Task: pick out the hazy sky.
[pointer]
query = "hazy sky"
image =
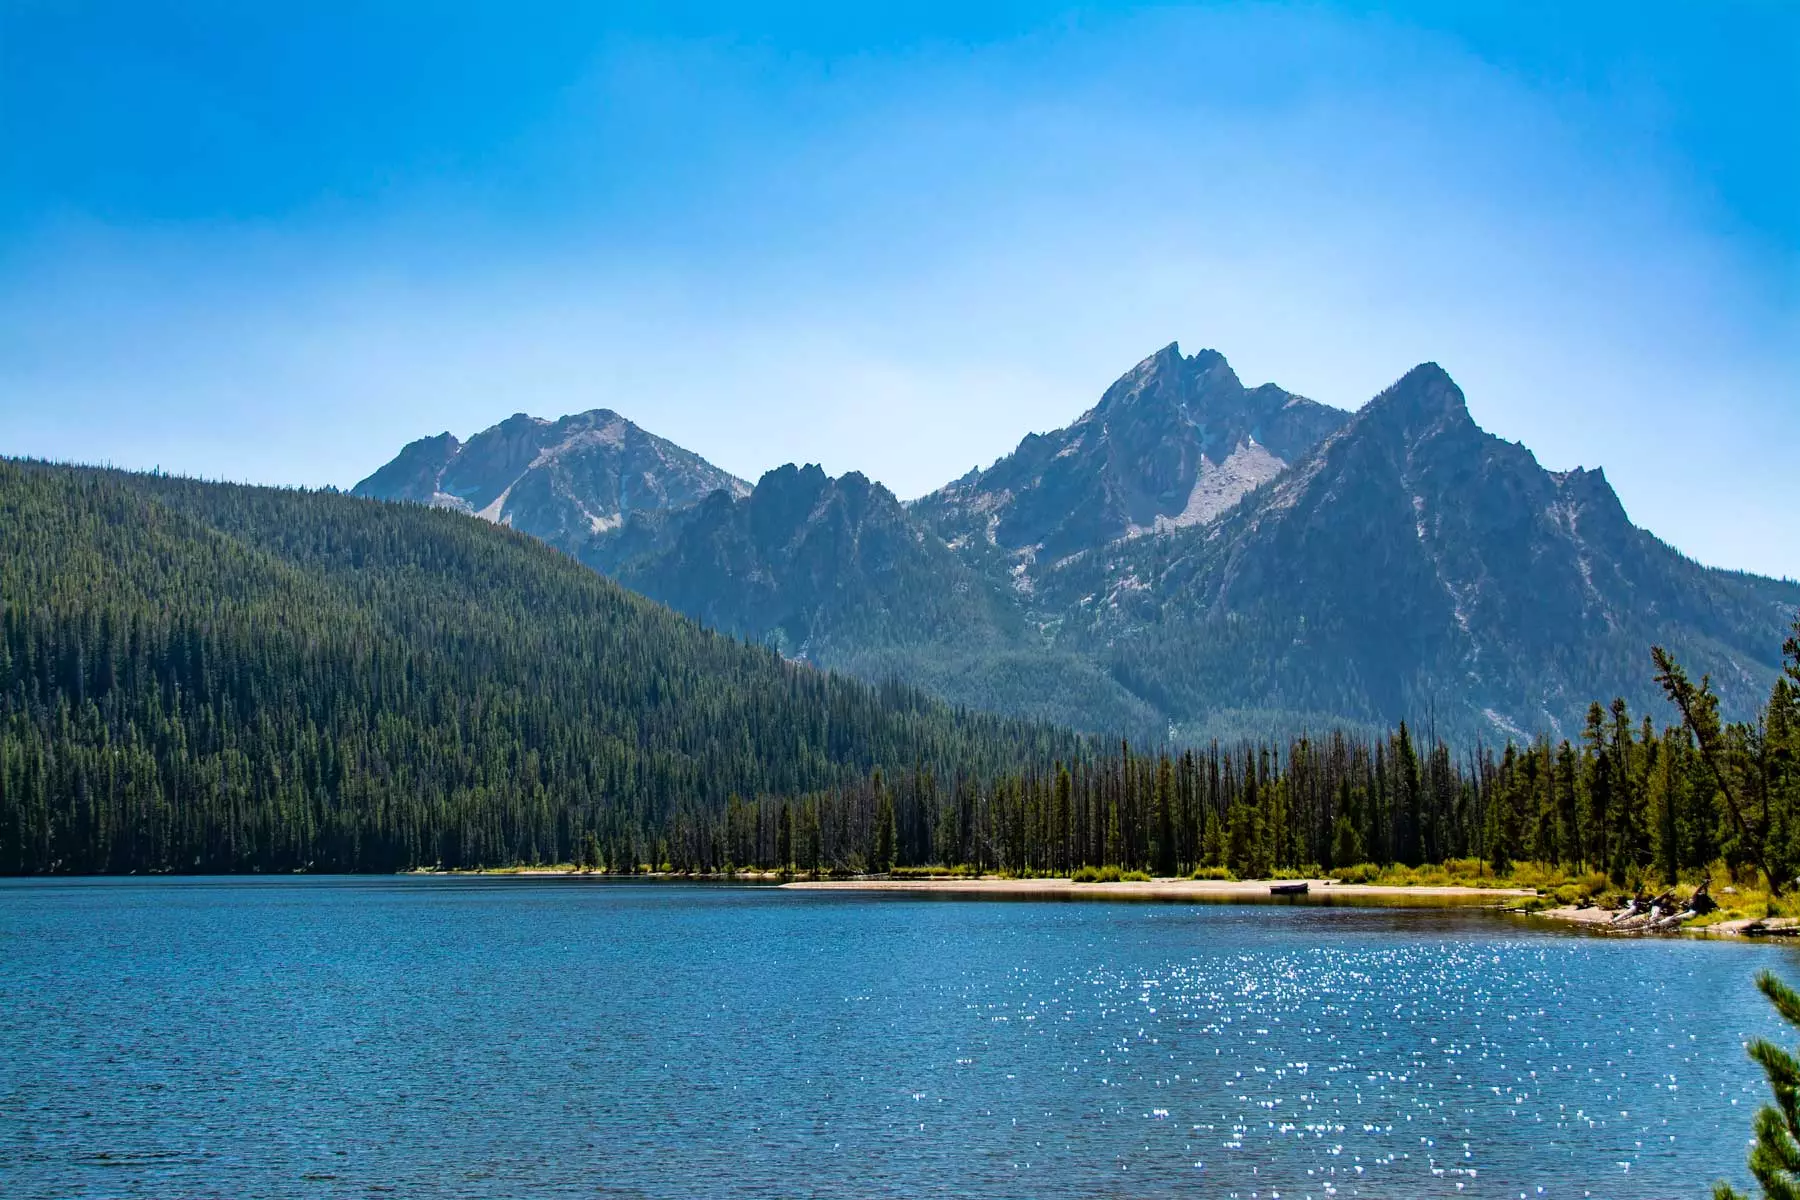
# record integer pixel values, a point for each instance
(275, 243)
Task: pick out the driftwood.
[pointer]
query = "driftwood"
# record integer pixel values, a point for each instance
(1673, 921)
(1664, 913)
(1636, 907)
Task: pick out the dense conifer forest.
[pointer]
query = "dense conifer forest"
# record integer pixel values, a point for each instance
(203, 677)
(1627, 799)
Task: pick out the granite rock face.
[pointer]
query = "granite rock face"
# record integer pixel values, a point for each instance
(1174, 443)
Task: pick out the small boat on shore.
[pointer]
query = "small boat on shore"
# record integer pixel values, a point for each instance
(1288, 889)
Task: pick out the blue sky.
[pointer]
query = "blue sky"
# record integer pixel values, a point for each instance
(275, 243)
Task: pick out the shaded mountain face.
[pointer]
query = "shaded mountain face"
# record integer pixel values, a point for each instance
(1414, 566)
(1174, 443)
(804, 561)
(560, 481)
(838, 573)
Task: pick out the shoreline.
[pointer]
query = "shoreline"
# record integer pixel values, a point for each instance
(1171, 889)
(1322, 892)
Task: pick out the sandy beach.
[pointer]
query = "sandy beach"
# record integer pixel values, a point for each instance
(1170, 889)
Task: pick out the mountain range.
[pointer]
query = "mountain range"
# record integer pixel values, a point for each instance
(1191, 558)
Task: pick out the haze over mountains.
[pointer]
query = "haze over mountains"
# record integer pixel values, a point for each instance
(1189, 558)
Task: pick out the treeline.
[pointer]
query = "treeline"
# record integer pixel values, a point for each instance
(1624, 798)
(204, 677)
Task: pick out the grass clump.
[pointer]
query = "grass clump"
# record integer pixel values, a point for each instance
(1213, 873)
(960, 871)
(1095, 875)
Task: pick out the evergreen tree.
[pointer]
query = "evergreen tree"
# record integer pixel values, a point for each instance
(784, 840)
(1346, 846)
(882, 859)
(1775, 1154)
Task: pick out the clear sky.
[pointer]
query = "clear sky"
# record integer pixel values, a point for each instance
(276, 242)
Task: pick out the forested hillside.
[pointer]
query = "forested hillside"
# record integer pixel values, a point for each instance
(201, 676)
(209, 677)
(1631, 799)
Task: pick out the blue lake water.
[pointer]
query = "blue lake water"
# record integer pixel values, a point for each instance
(503, 1037)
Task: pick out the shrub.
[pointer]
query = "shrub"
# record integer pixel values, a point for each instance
(960, 871)
(1360, 873)
(1212, 873)
(1135, 877)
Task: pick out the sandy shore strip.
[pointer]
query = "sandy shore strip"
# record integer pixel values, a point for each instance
(1226, 891)
(1168, 889)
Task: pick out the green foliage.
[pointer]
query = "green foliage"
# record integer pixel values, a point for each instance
(1360, 873)
(207, 677)
(1775, 1153)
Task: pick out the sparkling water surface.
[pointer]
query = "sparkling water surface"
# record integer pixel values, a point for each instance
(521, 1038)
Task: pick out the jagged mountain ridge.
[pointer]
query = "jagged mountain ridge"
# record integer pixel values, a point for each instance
(1414, 565)
(1198, 558)
(560, 481)
(1175, 442)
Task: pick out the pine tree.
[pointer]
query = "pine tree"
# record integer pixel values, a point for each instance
(784, 841)
(1164, 801)
(1346, 846)
(1775, 1154)
(883, 857)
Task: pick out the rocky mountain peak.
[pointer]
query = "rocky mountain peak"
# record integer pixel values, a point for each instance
(560, 480)
(1423, 399)
(1174, 442)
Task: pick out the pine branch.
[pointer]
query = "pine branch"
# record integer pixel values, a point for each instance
(1783, 997)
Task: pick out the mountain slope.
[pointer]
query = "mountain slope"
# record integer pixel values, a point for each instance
(211, 677)
(1174, 443)
(560, 481)
(836, 572)
(1414, 566)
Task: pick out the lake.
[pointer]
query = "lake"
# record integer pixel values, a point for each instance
(470, 1037)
